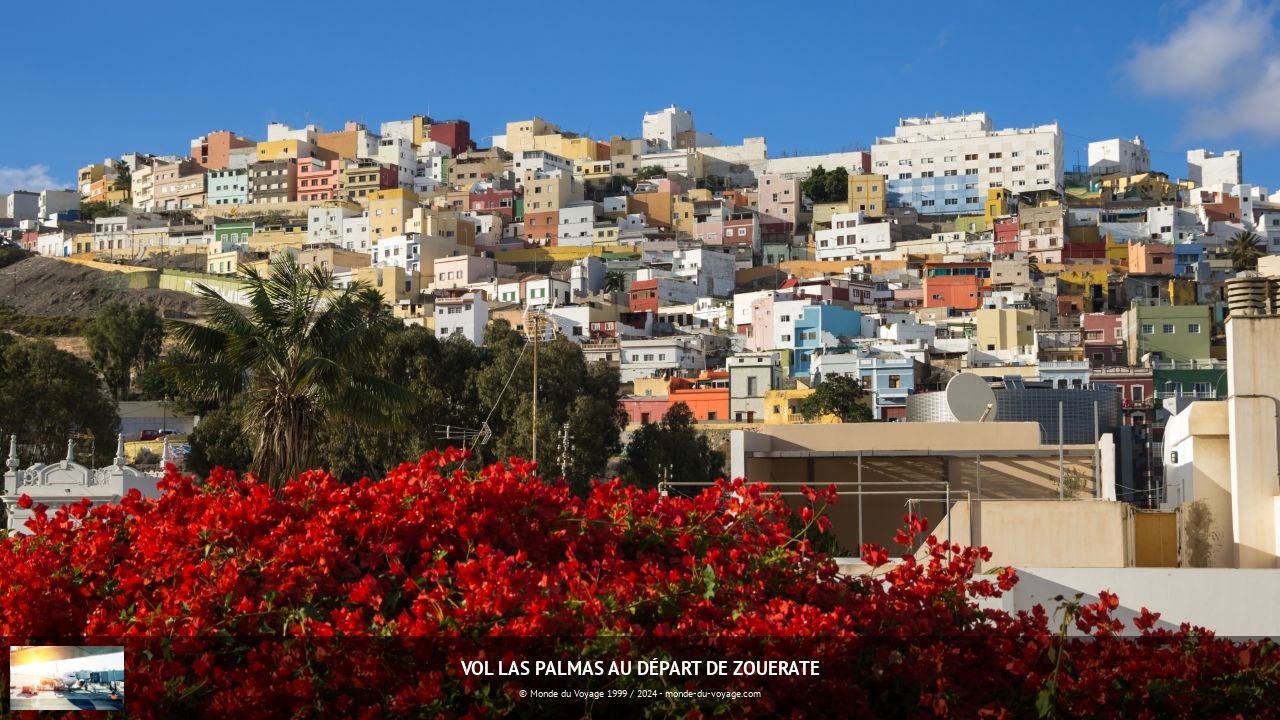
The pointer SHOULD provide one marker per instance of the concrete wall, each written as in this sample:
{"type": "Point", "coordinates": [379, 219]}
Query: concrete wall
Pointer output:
{"type": "Point", "coordinates": [1180, 595]}
{"type": "Point", "coordinates": [1253, 374]}
{"type": "Point", "coordinates": [1200, 482]}
{"type": "Point", "coordinates": [1045, 533]}
{"type": "Point", "coordinates": [182, 281]}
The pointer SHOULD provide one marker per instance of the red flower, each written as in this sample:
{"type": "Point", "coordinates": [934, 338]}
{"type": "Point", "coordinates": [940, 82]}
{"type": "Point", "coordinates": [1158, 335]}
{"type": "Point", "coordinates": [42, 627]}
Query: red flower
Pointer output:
{"type": "Point", "coordinates": [25, 502]}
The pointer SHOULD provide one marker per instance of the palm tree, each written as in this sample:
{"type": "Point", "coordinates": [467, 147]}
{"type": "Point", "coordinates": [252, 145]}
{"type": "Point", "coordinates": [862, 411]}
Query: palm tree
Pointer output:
{"type": "Point", "coordinates": [303, 354]}
{"type": "Point", "coordinates": [1244, 248]}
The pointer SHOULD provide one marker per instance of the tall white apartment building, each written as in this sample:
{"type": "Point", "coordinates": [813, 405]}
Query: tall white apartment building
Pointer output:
{"type": "Point", "coordinates": [946, 165]}
{"type": "Point", "coordinates": [1206, 168]}
{"type": "Point", "coordinates": [1125, 157]}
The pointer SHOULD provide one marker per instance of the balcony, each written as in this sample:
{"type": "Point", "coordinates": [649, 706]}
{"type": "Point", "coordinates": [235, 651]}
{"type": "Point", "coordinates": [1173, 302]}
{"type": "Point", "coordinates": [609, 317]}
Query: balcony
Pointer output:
{"type": "Point", "coordinates": [1210, 394]}
{"type": "Point", "coordinates": [1189, 365]}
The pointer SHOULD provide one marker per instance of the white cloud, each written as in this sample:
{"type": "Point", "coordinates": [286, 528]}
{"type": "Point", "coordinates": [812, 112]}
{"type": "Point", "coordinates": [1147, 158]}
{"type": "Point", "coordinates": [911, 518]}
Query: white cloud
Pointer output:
{"type": "Point", "coordinates": [1254, 110]}
{"type": "Point", "coordinates": [1223, 64]}
{"type": "Point", "coordinates": [34, 178]}
{"type": "Point", "coordinates": [1209, 53]}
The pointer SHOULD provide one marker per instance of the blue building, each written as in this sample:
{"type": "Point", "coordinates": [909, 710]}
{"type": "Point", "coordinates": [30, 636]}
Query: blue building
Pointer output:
{"type": "Point", "coordinates": [945, 195]}
{"type": "Point", "coordinates": [1187, 257]}
{"type": "Point", "coordinates": [888, 378]}
{"type": "Point", "coordinates": [822, 326]}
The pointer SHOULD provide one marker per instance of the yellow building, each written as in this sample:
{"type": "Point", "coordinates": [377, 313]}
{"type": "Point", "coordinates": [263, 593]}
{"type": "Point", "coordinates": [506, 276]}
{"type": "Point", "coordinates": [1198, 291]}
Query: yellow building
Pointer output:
{"type": "Point", "coordinates": [605, 234]}
{"type": "Point", "coordinates": [88, 175]}
{"type": "Point", "coordinates": [395, 284]}
{"type": "Point", "coordinates": [272, 239]}
{"type": "Point", "coordinates": [997, 204]}
{"type": "Point", "coordinates": [1078, 279]}
{"type": "Point", "coordinates": [283, 149]}
{"type": "Point", "coordinates": [867, 194]}
{"type": "Point", "coordinates": [521, 134]}
{"type": "Point", "coordinates": [1150, 186]}
{"type": "Point", "coordinates": [390, 212]}
{"type": "Point", "coordinates": [1007, 328]}
{"type": "Point", "coordinates": [782, 407]}
{"type": "Point", "coordinates": [1117, 251]}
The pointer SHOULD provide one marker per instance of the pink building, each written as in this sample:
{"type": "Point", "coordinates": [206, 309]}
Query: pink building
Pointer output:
{"type": "Point", "coordinates": [1104, 339]}
{"type": "Point", "coordinates": [317, 179]}
{"type": "Point", "coordinates": [760, 333]}
{"type": "Point", "coordinates": [779, 201]}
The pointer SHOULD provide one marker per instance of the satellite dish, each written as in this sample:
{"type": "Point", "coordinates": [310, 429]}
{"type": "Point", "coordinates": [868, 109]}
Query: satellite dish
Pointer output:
{"type": "Point", "coordinates": [970, 398]}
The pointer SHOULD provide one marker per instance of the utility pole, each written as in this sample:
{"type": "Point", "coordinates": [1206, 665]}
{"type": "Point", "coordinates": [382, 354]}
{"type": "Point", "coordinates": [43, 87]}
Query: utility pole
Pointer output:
{"type": "Point", "coordinates": [534, 317]}
{"type": "Point", "coordinates": [564, 451]}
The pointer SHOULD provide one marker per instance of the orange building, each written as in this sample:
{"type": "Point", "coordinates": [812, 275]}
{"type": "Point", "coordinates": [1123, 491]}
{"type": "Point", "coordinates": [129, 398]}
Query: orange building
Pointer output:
{"type": "Point", "coordinates": [213, 151]}
{"type": "Point", "coordinates": [956, 285]}
{"type": "Point", "coordinates": [542, 228]}
{"type": "Point", "coordinates": [1151, 259]}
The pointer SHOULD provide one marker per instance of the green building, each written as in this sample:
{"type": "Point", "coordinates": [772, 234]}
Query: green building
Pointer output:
{"type": "Point", "coordinates": [1179, 333]}
{"type": "Point", "coordinates": [232, 234]}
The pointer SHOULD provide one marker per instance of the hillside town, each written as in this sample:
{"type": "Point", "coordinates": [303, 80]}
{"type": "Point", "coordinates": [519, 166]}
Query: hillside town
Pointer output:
{"type": "Point", "coordinates": [1089, 298]}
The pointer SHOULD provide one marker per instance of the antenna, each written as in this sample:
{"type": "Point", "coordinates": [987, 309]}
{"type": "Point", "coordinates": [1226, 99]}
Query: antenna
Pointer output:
{"type": "Point", "coordinates": [970, 398]}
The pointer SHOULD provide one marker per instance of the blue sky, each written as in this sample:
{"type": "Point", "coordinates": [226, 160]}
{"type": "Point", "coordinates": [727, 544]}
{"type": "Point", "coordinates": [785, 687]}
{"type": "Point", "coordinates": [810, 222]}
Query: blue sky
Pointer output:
{"type": "Point", "coordinates": [87, 80]}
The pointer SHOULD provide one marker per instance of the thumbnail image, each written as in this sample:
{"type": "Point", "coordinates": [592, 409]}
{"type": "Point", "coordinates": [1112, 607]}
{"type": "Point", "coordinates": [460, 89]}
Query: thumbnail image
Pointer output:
{"type": "Point", "coordinates": [66, 677]}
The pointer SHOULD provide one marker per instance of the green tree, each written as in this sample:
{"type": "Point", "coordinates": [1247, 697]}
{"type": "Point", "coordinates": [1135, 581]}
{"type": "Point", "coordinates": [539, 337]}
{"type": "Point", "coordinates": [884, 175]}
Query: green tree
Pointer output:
{"type": "Point", "coordinates": [124, 340]}
{"type": "Point", "coordinates": [124, 177]}
{"type": "Point", "coordinates": [92, 210]}
{"type": "Point", "coordinates": [823, 187]}
{"type": "Point", "coordinates": [10, 254]}
{"type": "Point", "coordinates": [304, 353]}
{"type": "Point", "coordinates": [614, 281]}
{"type": "Point", "coordinates": [570, 391]}
{"type": "Point", "coordinates": [1244, 249]}
{"type": "Point", "coordinates": [671, 449]}
{"type": "Point", "coordinates": [838, 395]}
{"type": "Point", "coordinates": [46, 394]}
{"type": "Point", "coordinates": [651, 171]}
{"type": "Point", "coordinates": [220, 441]}
{"type": "Point", "coordinates": [437, 375]}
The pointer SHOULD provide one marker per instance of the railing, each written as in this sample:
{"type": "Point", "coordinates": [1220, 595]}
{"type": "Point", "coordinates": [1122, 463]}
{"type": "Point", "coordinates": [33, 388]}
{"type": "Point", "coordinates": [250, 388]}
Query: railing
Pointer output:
{"type": "Point", "coordinates": [1211, 394]}
{"type": "Point", "coordinates": [1189, 365]}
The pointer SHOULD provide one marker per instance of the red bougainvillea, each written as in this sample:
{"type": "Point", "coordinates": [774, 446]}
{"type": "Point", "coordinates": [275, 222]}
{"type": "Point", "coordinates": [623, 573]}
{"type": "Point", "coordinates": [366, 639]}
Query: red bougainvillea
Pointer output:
{"type": "Point", "coordinates": [363, 600]}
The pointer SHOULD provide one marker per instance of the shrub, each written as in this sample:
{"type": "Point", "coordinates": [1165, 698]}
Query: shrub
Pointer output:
{"type": "Point", "coordinates": [362, 600]}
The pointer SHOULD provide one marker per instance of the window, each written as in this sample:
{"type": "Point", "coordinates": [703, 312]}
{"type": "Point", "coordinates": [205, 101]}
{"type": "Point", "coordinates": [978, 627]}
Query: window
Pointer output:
{"type": "Point", "coordinates": [926, 203]}
{"type": "Point", "coordinates": [904, 176]}
{"type": "Point", "coordinates": [1042, 152]}
{"type": "Point", "coordinates": [895, 381]}
{"type": "Point", "coordinates": [904, 162]}
{"type": "Point", "coordinates": [949, 158]}
{"type": "Point", "coordinates": [949, 173]}
{"type": "Point", "coordinates": [1193, 328]}
{"type": "Point", "coordinates": [711, 415]}
{"type": "Point", "coordinates": [1202, 389]}
{"type": "Point", "coordinates": [971, 171]}
{"type": "Point", "coordinates": [952, 201]}
{"type": "Point", "coordinates": [1042, 167]}
{"type": "Point", "coordinates": [1167, 328]}
{"type": "Point", "coordinates": [1018, 168]}
{"type": "Point", "coordinates": [973, 156]}
{"type": "Point", "coordinates": [995, 170]}
{"type": "Point", "coordinates": [993, 156]}
{"type": "Point", "coordinates": [1015, 153]}
{"type": "Point", "coordinates": [927, 174]}
{"type": "Point", "coordinates": [1148, 328]}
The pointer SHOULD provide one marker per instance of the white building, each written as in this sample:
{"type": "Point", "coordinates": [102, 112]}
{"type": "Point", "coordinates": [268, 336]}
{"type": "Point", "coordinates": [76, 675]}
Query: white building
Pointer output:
{"type": "Point", "coordinates": [751, 375]}
{"type": "Point", "coordinates": [23, 205]}
{"type": "Point", "coordinates": [852, 238]}
{"type": "Point", "coordinates": [1125, 157]}
{"type": "Point", "coordinates": [713, 271]}
{"type": "Point", "coordinates": [324, 223]}
{"type": "Point", "coordinates": [577, 224]}
{"type": "Point", "coordinates": [945, 165]}
{"type": "Point", "coordinates": [53, 202]}
{"type": "Point", "coordinates": [403, 251]}
{"type": "Point", "coordinates": [654, 357]}
{"type": "Point", "coordinates": [461, 271]}
{"type": "Point", "coordinates": [112, 233]}
{"type": "Point", "coordinates": [465, 315]}
{"type": "Point", "coordinates": [355, 232]}
{"type": "Point", "coordinates": [663, 128]}
{"type": "Point", "coordinates": [401, 153]}
{"type": "Point", "coordinates": [1208, 169]}
{"type": "Point", "coordinates": [540, 161]}
{"type": "Point", "coordinates": [66, 482]}
{"type": "Point", "coordinates": [798, 167]}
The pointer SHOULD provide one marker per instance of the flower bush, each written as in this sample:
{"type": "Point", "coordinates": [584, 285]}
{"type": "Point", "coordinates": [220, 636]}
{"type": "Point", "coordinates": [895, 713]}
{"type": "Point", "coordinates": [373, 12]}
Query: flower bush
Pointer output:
{"type": "Point", "coordinates": [363, 600]}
